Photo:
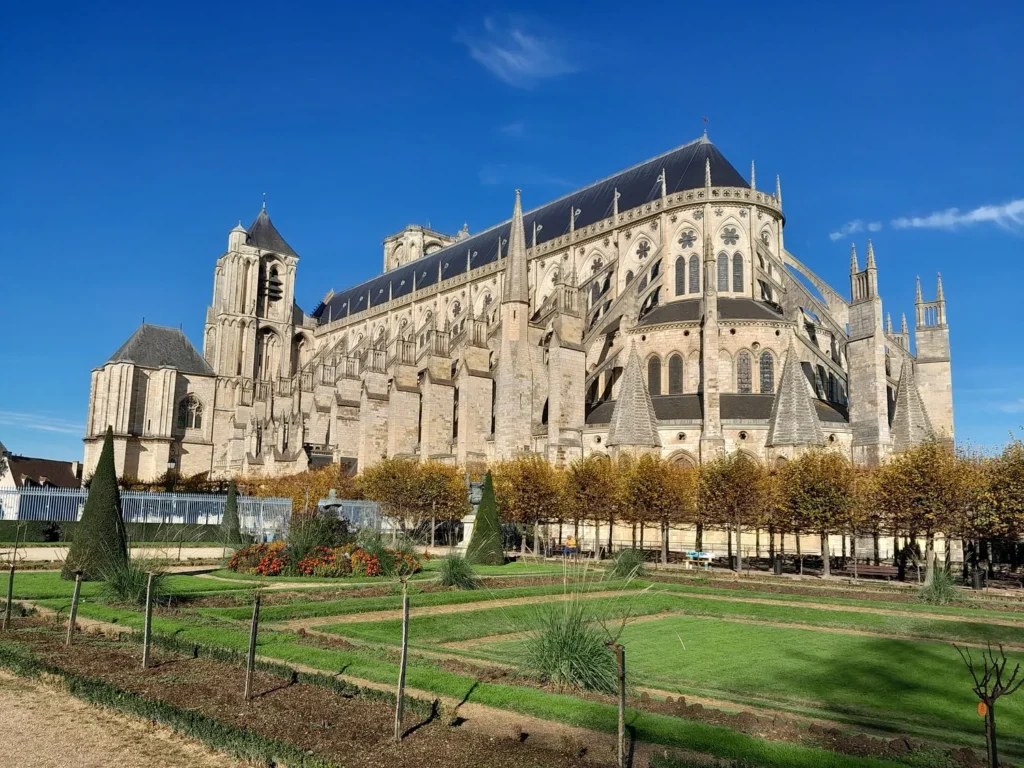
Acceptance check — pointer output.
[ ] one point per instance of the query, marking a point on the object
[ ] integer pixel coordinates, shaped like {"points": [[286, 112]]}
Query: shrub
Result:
{"points": [[942, 590], [230, 529], [629, 564], [263, 559], [456, 571], [569, 648], [127, 582], [100, 544], [307, 532], [485, 546]]}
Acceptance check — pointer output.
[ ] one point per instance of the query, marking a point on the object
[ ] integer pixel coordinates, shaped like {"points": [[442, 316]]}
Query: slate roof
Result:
{"points": [[31, 472], [154, 346], [263, 234], [732, 406], [794, 418], [685, 311], [745, 309], [684, 169], [633, 421]]}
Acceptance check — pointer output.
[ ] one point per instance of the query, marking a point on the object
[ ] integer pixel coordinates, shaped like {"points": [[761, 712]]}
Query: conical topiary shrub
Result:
{"points": [[230, 529], [485, 542], [100, 544]]}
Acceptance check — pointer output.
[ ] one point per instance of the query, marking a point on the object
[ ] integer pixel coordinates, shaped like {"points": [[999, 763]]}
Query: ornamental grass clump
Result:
{"points": [[941, 591], [570, 649], [629, 564], [126, 582], [455, 571]]}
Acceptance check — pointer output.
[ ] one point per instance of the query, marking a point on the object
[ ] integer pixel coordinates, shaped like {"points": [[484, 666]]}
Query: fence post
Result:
{"points": [[399, 705], [250, 660], [74, 607], [147, 631], [620, 657], [10, 597]]}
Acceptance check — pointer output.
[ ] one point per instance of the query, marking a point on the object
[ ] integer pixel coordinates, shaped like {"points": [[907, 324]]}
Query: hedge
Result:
{"points": [[41, 531]]}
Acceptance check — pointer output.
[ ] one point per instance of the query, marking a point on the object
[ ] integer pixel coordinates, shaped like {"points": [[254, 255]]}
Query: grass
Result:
{"points": [[457, 571], [48, 585]]}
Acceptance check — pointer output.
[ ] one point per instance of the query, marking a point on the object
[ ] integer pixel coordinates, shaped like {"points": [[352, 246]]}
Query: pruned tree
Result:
{"points": [[440, 494], [659, 492], [990, 684], [485, 545], [817, 491], [592, 491], [394, 484], [230, 527], [733, 491], [528, 491]]}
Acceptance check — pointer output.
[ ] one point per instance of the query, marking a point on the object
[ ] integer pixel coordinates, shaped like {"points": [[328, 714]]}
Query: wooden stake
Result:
{"points": [[620, 656], [147, 632], [399, 706], [250, 660], [10, 597], [74, 607]]}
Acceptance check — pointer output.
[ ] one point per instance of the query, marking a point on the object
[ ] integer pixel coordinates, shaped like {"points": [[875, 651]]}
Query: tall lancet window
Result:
{"points": [[694, 274], [744, 383], [680, 276], [190, 413], [675, 375], [654, 376], [767, 372], [737, 273], [723, 272]]}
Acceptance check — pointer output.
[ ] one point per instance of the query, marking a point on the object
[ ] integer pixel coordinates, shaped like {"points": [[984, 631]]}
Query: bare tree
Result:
{"points": [[992, 684]]}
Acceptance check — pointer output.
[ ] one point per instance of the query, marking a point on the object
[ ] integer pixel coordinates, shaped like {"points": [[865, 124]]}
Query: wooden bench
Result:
{"points": [[873, 571]]}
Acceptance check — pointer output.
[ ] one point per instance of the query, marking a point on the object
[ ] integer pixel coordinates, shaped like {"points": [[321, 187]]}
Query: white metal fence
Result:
{"points": [[265, 518]]}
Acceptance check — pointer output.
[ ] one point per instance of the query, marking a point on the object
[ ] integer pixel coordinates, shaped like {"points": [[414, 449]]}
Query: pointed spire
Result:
{"points": [[615, 206], [940, 296], [888, 322], [794, 419], [707, 172], [854, 266], [917, 296], [871, 255], [664, 183], [778, 190], [753, 176], [910, 422], [516, 286], [903, 325], [633, 423]]}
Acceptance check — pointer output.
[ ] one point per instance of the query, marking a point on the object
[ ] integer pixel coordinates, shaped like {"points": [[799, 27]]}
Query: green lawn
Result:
{"points": [[42, 586]]}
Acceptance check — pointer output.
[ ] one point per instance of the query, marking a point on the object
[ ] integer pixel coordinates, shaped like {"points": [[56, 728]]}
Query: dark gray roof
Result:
{"points": [[746, 407], [686, 311], [684, 169], [733, 406], [746, 309], [263, 234], [154, 346], [29, 472], [831, 412]]}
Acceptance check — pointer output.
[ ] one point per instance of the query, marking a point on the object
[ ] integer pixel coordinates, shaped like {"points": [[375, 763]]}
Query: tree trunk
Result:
{"points": [[664, 542], [984, 560], [641, 535], [757, 542], [634, 535], [878, 547], [728, 544], [611, 529], [782, 543], [771, 543], [433, 529], [799, 553], [522, 542], [536, 540], [826, 564], [739, 549], [990, 736], [968, 550], [929, 559], [597, 540], [698, 543]]}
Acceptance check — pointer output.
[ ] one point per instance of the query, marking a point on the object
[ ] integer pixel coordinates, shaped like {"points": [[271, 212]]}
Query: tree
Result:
{"points": [[1004, 493], [440, 493], [528, 491], [230, 528], [485, 546], [658, 491], [100, 544], [305, 489], [818, 495], [394, 484], [989, 687], [592, 491], [733, 490]]}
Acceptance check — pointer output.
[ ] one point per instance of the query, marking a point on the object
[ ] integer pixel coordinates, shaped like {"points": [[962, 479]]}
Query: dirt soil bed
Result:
{"points": [[354, 731]]}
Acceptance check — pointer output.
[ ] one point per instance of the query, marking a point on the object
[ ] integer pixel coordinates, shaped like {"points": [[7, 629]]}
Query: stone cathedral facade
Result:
{"points": [[657, 310]]}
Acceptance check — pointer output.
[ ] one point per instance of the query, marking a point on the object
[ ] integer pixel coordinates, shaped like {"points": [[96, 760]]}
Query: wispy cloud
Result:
{"points": [[853, 227], [515, 130], [40, 422], [1008, 215], [1011, 406], [501, 173], [516, 55]]}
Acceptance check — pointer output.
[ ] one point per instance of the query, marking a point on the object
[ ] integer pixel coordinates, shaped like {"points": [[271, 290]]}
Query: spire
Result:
{"points": [[794, 419], [854, 266], [940, 296], [871, 255], [633, 423], [707, 172], [888, 322], [664, 183], [515, 288], [917, 297], [903, 325], [778, 190], [753, 176], [910, 422]]}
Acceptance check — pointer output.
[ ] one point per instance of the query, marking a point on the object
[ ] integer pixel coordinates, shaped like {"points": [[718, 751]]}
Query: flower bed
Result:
{"points": [[323, 562]]}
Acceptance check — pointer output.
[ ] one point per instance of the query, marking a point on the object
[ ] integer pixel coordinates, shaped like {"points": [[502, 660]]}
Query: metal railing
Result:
{"points": [[263, 517]]}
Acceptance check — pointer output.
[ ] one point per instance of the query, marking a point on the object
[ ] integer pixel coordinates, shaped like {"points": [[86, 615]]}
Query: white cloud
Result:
{"points": [[1011, 406], [525, 175], [1009, 215], [40, 422], [853, 227], [515, 56], [515, 130]]}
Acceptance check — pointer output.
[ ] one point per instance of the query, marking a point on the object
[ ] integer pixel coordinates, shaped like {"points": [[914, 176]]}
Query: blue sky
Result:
{"points": [[135, 137]]}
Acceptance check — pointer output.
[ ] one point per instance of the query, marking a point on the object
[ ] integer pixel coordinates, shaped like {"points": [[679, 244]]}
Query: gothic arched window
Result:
{"points": [[744, 384], [654, 376], [723, 272], [767, 372], [737, 273], [190, 413], [680, 276], [629, 276], [675, 375], [694, 274]]}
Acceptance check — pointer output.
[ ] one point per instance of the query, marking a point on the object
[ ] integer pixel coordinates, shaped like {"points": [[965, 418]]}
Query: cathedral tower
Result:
{"points": [[934, 375]]}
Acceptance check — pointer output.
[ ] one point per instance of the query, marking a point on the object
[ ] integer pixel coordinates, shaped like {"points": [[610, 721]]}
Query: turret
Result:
{"points": [[934, 373]]}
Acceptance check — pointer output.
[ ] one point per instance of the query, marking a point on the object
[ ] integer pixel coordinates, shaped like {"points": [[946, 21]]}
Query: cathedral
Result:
{"points": [[656, 310]]}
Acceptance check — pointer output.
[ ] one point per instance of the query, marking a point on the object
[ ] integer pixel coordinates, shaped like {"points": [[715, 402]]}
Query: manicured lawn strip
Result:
{"points": [[43, 586], [923, 608], [317, 609], [224, 573]]}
